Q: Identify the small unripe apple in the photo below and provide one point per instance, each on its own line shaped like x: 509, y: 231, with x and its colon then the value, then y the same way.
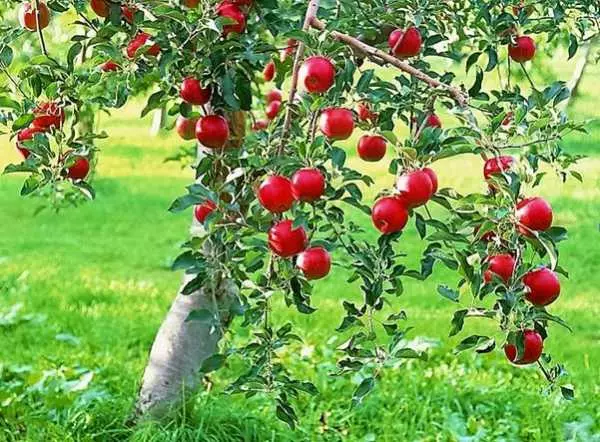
x: 285, y: 241
x: 317, y: 74
x: 212, y: 131
x: 371, y: 147
x: 534, y: 214
x: 273, y: 95
x: 191, y: 91
x: 275, y: 194
x: 315, y: 262
x: 433, y: 178
x: 138, y: 42
x: 415, y: 188
x: 201, y: 211
x: 389, y: 215
x: 48, y: 115
x: 543, y: 286
x: 231, y: 11
x: 100, y: 7
x: 269, y: 71
x: 405, y: 44
x: 501, y: 265
x: 109, y: 66
x: 522, y: 50
x: 186, y: 127
x: 272, y: 109
x: 533, y: 345
x: 260, y: 125
x: 79, y: 169
x: 28, y: 16
x: 308, y: 184
x: 497, y: 166
x: 26, y: 135
x: 336, y: 123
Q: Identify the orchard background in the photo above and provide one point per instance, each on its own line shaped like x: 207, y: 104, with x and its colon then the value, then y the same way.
x: 83, y: 293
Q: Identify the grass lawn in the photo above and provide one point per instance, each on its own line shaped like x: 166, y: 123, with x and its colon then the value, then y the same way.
x: 94, y: 284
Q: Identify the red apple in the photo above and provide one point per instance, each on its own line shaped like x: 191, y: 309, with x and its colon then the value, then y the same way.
x: 337, y: 123
x: 26, y: 135
x: 100, y: 7
x: 28, y: 16
x: 190, y: 3
x: 269, y: 71
x: 285, y: 241
x: 389, y: 215
x: 522, y: 50
x: 364, y: 112
x: 433, y: 178
x: 415, y: 188
x: 308, y: 184
x: 433, y: 121
x: 534, y: 214
x: 317, y: 74
x: 533, y: 345
x: 497, y: 165
x: 186, y: 127
x: 274, y: 95
x: 212, y: 131
x: 405, y: 44
x: 289, y: 50
x: 192, y: 92
x: 201, y: 211
x: 275, y: 194
x: 502, y: 265
x: 47, y: 115
x: 79, y: 169
x: 142, y: 39
x: 128, y: 13
x: 371, y: 147
x: 109, y: 66
x: 314, y: 262
x: 543, y: 286
x: 231, y: 11
x: 272, y: 109
x: 260, y: 125
x: 507, y: 118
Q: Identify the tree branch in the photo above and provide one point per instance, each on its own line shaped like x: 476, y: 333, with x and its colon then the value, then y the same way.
x: 39, y: 29
x: 311, y: 12
x: 373, y: 53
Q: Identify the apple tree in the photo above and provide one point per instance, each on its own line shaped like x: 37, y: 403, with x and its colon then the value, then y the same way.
x: 273, y: 194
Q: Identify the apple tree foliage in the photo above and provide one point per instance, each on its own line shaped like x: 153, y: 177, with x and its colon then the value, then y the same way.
x: 464, y: 45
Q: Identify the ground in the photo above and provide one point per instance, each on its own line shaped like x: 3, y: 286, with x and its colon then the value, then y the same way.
x: 94, y: 284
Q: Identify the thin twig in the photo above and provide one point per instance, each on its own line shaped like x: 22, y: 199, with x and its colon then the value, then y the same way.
x: 39, y: 29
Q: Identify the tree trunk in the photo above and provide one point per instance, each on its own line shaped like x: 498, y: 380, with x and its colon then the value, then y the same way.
x: 578, y: 72
x: 159, y: 118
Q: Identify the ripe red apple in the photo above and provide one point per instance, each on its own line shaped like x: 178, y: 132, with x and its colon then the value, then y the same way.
x: 128, y: 13
x: 501, y: 265
x: 415, y: 188
x: 433, y: 121
x: 269, y: 71
x: 497, y: 165
x: 507, y: 118
x: 109, y: 66
x: 260, y: 125
x: 389, y: 215
x: 26, y: 135
x: 139, y: 41
x: 47, y: 115
x: 274, y: 95
x: 534, y: 214
x: 405, y: 44
x: 317, y: 74
x: 212, y: 131
x: 186, y: 127
x: 533, y: 345
x: 314, y: 262
x: 337, y: 123
x: 192, y: 92
x: 79, y: 169
x: 272, y: 109
x: 190, y: 3
x: 289, y: 50
x: 28, y: 16
x: 275, y: 194
x: 365, y: 113
x: 433, y: 178
x: 201, y: 211
x: 231, y: 11
x: 543, y: 286
x: 522, y: 50
x: 371, y: 147
x: 100, y: 7
x: 308, y: 184
x: 285, y: 241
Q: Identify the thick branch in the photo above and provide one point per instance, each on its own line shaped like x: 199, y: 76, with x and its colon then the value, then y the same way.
x: 311, y: 12
x: 373, y: 53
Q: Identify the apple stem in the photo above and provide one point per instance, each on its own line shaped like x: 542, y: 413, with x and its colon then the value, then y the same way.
x: 39, y: 29
x: 311, y: 12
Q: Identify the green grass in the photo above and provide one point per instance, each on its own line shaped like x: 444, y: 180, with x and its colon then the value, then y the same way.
x: 98, y: 279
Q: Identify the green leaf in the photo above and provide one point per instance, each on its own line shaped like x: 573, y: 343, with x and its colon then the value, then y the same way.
x: 365, y: 387
x: 213, y: 363
x: 6, y: 55
x: 573, y: 45
x: 472, y: 341
x: 154, y: 101
x: 364, y: 81
x: 203, y: 315
x: 448, y: 293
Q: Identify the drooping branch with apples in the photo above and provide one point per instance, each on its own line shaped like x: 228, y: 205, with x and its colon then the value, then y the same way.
x: 274, y: 196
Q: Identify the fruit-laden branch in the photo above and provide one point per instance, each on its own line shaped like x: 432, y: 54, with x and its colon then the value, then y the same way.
x: 311, y: 13
x: 376, y: 55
